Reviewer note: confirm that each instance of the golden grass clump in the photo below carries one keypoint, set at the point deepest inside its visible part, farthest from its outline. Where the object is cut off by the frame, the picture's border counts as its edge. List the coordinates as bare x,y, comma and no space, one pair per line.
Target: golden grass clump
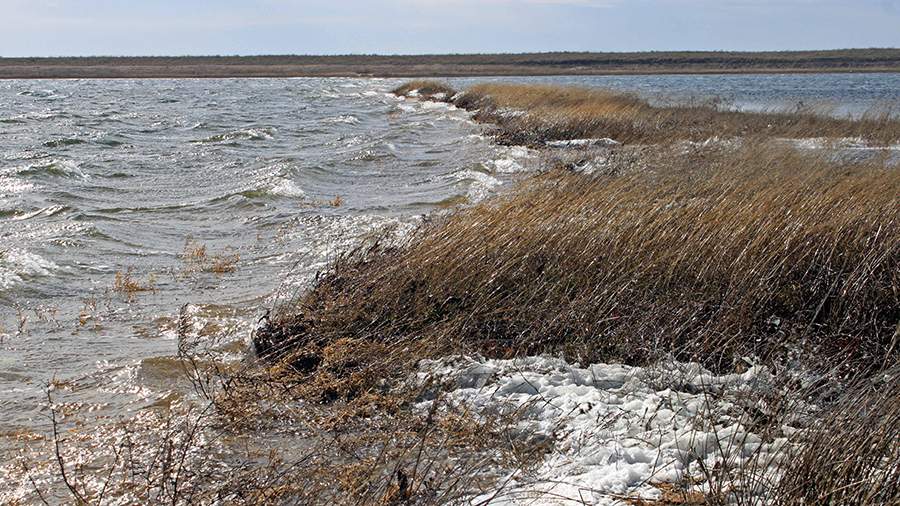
533,114
129,286
197,258
760,252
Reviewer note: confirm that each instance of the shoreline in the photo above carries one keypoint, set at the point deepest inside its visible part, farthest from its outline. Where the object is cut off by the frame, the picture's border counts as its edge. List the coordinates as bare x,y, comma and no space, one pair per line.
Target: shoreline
107,74
475,65
653,316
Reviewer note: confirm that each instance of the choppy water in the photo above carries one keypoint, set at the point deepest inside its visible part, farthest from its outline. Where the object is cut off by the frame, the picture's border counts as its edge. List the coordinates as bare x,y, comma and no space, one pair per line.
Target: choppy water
840,94
107,178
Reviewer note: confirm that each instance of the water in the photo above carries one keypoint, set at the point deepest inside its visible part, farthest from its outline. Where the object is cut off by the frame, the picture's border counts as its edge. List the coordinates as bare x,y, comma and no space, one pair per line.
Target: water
101,179
839,94
105,183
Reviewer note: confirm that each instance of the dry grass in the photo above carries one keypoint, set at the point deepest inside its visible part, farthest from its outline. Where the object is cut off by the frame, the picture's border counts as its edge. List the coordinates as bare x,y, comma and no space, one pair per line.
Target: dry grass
852,456
197,258
761,252
130,286
714,254
534,114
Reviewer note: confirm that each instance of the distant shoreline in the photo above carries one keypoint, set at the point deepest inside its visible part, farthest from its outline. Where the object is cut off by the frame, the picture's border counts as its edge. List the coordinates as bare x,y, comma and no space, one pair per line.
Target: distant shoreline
527,64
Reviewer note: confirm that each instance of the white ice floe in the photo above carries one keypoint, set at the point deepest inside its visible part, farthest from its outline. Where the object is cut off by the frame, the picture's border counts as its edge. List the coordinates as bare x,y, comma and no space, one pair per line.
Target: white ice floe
582,143
617,432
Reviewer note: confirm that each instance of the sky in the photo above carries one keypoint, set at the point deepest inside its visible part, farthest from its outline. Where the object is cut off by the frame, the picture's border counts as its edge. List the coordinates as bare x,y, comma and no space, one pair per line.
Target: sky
247,27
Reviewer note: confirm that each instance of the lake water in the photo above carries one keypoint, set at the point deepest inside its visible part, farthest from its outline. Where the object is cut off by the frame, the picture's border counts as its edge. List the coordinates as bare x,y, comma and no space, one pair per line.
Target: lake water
120,200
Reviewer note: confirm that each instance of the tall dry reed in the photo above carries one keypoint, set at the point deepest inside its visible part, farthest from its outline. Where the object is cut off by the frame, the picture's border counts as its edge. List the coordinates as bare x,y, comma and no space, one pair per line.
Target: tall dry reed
761,252
533,114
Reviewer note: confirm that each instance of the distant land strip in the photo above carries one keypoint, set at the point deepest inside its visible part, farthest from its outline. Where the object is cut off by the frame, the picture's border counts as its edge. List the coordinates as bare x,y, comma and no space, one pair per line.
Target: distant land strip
455,65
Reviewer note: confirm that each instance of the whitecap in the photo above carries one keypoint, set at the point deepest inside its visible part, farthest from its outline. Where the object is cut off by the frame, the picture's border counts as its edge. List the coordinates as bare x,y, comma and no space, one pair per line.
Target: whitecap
16,265
249,134
348,119
481,184
44,211
506,165
286,188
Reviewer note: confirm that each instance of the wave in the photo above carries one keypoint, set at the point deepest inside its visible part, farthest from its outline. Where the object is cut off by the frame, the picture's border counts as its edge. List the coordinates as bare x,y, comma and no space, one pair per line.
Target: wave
51,94
44,211
480,184
347,119
244,134
52,167
17,265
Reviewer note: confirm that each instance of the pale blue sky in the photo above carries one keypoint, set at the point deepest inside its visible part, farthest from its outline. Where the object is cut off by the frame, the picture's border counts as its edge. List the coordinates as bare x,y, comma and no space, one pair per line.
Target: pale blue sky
178,27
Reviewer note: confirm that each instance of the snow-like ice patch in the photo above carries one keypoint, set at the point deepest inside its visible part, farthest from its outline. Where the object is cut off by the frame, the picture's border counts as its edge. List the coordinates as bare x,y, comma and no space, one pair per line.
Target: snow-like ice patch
839,143
617,430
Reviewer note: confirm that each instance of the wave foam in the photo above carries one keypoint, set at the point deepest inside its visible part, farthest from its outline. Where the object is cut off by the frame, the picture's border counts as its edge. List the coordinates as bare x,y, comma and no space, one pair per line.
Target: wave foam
244,134
16,265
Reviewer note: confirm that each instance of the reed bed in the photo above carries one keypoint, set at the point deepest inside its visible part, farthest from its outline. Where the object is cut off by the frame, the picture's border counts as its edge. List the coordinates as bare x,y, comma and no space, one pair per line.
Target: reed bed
760,252
726,254
535,114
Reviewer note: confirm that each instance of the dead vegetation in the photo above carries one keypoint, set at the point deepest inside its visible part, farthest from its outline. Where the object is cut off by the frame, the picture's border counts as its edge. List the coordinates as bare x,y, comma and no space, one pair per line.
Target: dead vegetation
716,254
129,285
535,114
851,457
760,252
197,259
427,89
